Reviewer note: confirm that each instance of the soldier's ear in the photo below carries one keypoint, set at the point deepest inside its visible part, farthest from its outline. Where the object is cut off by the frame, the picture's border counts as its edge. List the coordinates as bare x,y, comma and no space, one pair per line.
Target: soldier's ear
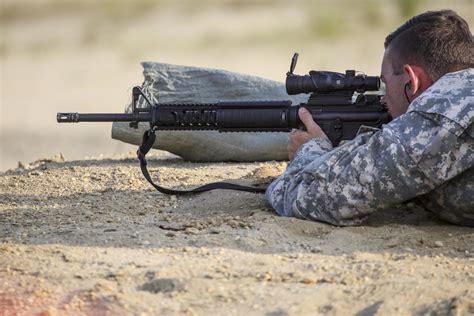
418,79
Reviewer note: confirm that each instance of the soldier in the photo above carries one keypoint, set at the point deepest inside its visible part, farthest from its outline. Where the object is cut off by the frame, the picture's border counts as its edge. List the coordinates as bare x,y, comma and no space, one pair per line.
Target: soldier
426,152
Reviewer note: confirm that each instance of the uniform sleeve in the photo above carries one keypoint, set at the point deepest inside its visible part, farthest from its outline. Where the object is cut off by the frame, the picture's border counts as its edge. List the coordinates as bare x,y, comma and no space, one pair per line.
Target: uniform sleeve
407,158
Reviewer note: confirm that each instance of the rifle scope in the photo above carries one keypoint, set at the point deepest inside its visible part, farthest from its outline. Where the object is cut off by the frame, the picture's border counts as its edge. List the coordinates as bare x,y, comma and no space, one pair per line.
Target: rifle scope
328,81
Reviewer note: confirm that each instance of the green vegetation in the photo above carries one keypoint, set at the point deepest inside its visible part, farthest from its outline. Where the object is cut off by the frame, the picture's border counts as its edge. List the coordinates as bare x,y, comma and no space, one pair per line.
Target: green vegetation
372,13
199,24
327,26
408,8
109,9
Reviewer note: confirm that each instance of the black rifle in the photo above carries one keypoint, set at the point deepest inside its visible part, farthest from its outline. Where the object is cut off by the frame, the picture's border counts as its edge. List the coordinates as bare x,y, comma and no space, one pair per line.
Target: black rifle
337,102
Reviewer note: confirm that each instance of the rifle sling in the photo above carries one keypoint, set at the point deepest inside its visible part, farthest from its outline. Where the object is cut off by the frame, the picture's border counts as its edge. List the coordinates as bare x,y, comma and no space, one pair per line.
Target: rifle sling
148,141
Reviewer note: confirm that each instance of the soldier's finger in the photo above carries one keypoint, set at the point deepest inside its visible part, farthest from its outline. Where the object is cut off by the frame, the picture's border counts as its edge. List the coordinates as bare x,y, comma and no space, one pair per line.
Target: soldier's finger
308,121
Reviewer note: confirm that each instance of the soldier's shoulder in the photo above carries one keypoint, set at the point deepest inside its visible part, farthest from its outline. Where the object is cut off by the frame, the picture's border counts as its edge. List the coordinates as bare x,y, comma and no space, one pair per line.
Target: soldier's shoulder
451,97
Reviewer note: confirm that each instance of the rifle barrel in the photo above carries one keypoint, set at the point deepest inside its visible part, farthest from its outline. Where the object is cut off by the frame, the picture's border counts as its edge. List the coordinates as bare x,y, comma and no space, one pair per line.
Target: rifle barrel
103,117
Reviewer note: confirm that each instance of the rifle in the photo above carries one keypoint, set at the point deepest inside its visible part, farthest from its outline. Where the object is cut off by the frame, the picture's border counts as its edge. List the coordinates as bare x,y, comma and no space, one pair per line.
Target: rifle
337,102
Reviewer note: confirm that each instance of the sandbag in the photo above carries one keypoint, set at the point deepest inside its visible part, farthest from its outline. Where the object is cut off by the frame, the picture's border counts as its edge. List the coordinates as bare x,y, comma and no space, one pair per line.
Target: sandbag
165,83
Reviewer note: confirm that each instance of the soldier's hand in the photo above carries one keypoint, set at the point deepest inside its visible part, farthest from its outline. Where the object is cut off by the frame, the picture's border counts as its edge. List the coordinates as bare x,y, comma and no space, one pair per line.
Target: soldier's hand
299,137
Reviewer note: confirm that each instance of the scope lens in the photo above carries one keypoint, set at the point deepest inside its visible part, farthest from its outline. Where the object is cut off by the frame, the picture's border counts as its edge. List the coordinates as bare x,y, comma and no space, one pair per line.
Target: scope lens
371,83
383,88
299,84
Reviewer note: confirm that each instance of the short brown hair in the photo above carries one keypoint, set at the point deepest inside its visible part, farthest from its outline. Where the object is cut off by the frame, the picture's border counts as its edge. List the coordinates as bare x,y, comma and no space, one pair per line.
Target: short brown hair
439,41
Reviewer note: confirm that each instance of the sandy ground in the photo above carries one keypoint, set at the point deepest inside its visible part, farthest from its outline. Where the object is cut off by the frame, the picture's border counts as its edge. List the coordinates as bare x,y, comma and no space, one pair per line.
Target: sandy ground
92,237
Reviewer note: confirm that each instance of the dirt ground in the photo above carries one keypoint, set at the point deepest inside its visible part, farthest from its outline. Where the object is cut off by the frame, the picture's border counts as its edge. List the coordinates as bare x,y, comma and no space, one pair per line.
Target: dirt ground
91,237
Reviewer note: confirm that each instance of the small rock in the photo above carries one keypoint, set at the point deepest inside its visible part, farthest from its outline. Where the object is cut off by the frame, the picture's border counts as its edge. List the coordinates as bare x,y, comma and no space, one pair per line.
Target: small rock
59,157
163,286
150,275
145,243
325,309
65,258
308,281
233,223
170,234
114,275
191,231
438,244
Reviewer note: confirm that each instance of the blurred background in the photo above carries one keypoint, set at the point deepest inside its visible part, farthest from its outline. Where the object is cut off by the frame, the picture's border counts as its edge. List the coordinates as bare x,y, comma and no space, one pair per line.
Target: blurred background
73,55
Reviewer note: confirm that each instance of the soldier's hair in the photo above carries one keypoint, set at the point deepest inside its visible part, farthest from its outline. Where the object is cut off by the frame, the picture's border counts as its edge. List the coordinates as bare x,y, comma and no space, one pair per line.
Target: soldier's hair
438,41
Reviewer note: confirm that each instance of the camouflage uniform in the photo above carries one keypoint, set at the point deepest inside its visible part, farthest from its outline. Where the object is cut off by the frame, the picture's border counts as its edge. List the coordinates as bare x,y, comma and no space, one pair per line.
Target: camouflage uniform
427,153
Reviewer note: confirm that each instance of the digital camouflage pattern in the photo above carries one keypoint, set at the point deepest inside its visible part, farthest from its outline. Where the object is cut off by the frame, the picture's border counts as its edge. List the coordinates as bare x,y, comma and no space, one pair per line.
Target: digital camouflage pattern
426,153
